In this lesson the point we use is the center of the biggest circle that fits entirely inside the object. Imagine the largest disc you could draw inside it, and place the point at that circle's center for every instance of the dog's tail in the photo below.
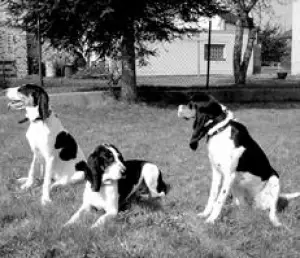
(289, 196)
(283, 200)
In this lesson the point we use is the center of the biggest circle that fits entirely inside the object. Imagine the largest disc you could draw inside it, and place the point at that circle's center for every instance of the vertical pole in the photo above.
(198, 58)
(40, 53)
(208, 53)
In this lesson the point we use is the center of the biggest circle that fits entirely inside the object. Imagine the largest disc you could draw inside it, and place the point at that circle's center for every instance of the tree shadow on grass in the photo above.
(171, 99)
(145, 203)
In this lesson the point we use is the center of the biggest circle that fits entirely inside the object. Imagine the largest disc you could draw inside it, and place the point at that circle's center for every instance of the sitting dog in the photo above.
(52, 145)
(111, 181)
(237, 161)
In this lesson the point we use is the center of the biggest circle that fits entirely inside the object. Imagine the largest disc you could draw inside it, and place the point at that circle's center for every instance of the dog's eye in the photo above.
(109, 158)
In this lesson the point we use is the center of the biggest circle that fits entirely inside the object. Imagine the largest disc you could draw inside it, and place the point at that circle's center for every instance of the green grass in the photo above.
(169, 228)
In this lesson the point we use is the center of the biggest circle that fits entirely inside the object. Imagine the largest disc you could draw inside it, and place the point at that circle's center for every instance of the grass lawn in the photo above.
(168, 228)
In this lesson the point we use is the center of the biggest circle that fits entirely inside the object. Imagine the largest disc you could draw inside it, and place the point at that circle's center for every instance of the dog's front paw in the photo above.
(46, 201)
(210, 220)
(28, 183)
(22, 180)
(203, 214)
(68, 223)
(98, 224)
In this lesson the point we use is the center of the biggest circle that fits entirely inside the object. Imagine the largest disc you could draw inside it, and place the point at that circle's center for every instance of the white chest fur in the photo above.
(38, 135)
(221, 150)
(41, 135)
(107, 198)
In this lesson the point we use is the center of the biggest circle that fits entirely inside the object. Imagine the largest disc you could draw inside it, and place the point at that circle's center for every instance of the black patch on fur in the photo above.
(131, 179)
(254, 159)
(83, 166)
(67, 144)
(40, 99)
(282, 204)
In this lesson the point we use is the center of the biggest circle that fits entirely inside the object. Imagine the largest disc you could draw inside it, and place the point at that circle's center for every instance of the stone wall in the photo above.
(13, 47)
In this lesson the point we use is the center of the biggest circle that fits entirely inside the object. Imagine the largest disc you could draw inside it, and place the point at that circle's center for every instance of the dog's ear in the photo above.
(83, 166)
(43, 103)
(199, 129)
(96, 165)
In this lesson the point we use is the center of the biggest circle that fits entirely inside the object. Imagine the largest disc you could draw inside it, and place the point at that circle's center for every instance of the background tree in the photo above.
(249, 15)
(112, 26)
(242, 9)
(273, 43)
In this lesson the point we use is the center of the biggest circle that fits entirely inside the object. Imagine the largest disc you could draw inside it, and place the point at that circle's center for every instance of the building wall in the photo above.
(180, 57)
(296, 38)
(13, 47)
(227, 38)
(186, 56)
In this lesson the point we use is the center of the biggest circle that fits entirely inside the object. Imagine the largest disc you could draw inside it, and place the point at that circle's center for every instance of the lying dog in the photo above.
(237, 161)
(111, 181)
(52, 145)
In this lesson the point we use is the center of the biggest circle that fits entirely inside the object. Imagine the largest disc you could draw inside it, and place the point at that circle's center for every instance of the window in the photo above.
(216, 52)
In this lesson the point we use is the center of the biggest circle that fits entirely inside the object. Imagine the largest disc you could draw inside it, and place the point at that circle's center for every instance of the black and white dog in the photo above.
(53, 147)
(111, 181)
(238, 163)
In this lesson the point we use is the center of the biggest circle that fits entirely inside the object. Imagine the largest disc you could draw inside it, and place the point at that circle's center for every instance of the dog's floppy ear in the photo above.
(96, 165)
(83, 166)
(199, 129)
(43, 103)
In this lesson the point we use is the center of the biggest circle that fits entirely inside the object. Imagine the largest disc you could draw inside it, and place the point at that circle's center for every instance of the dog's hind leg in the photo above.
(267, 199)
(271, 195)
(153, 180)
(213, 194)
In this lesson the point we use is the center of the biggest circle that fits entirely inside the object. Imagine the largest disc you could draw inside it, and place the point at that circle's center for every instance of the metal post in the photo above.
(198, 58)
(40, 52)
(208, 53)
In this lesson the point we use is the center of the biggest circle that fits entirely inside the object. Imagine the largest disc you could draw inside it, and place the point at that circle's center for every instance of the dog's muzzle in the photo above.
(185, 112)
(16, 104)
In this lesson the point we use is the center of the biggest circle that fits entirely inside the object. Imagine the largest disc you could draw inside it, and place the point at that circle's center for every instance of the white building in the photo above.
(189, 56)
(295, 38)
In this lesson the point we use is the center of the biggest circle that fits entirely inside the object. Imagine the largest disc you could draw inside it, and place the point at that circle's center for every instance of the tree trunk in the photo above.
(128, 78)
(241, 65)
(237, 51)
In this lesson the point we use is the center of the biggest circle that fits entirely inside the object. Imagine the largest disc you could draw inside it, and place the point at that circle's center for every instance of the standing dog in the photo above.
(111, 181)
(52, 145)
(237, 161)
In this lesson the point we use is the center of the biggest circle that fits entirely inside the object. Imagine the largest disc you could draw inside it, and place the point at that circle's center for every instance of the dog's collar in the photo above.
(219, 130)
(26, 119)
(219, 124)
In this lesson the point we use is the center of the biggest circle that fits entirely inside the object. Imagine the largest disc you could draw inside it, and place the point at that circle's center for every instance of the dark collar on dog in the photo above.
(218, 120)
(25, 119)
(217, 131)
